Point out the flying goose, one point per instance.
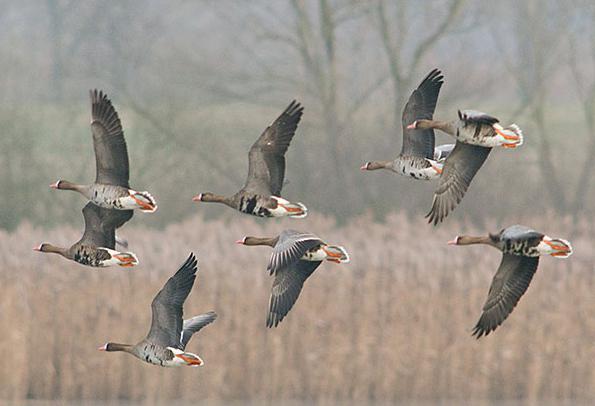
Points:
(295, 257)
(169, 334)
(110, 189)
(521, 248)
(418, 158)
(97, 246)
(260, 196)
(475, 128)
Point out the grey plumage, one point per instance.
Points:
(286, 289)
(459, 169)
(167, 306)
(193, 325)
(421, 105)
(291, 246)
(266, 166)
(508, 285)
(111, 154)
(290, 271)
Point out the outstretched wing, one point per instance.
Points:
(193, 325)
(111, 155)
(167, 324)
(96, 233)
(421, 105)
(266, 160)
(286, 289)
(509, 284)
(459, 169)
(290, 247)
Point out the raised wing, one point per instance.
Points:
(167, 324)
(111, 155)
(96, 233)
(421, 105)
(286, 289)
(459, 169)
(193, 325)
(509, 284)
(266, 160)
(290, 247)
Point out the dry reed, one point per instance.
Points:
(393, 324)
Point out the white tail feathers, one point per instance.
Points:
(337, 253)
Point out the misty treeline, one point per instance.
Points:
(195, 83)
(394, 324)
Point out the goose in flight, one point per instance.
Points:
(261, 194)
(296, 255)
(475, 128)
(521, 247)
(110, 189)
(97, 247)
(419, 158)
(165, 345)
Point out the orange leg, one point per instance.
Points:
(506, 136)
(143, 205)
(437, 169)
(291, 209)
(189, 360)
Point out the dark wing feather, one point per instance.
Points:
(96, 233)
(114, 219)
(167, 324)
(421, 105)
(459, 169)
(111, 155)
(266, 160)
(509, 284)
(193, 325)
(477, 117)
(290, 247)
(286, 289)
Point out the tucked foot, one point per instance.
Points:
(560, 248)
(335, 253)
(144, 201)
(126, 259)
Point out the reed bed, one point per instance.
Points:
(394, 324)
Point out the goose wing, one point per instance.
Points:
(290, 247)
(266, 159)
(287, 286)
(167, 306)
(509, 284)
(111, 155)
(459, 169)
(97, 234)
(193, 325)
(421, 105)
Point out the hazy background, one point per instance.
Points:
(195, 83)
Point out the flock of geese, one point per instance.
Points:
(296, 255)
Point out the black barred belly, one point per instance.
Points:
(254, 205)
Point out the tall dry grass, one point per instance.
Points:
(393, 324)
